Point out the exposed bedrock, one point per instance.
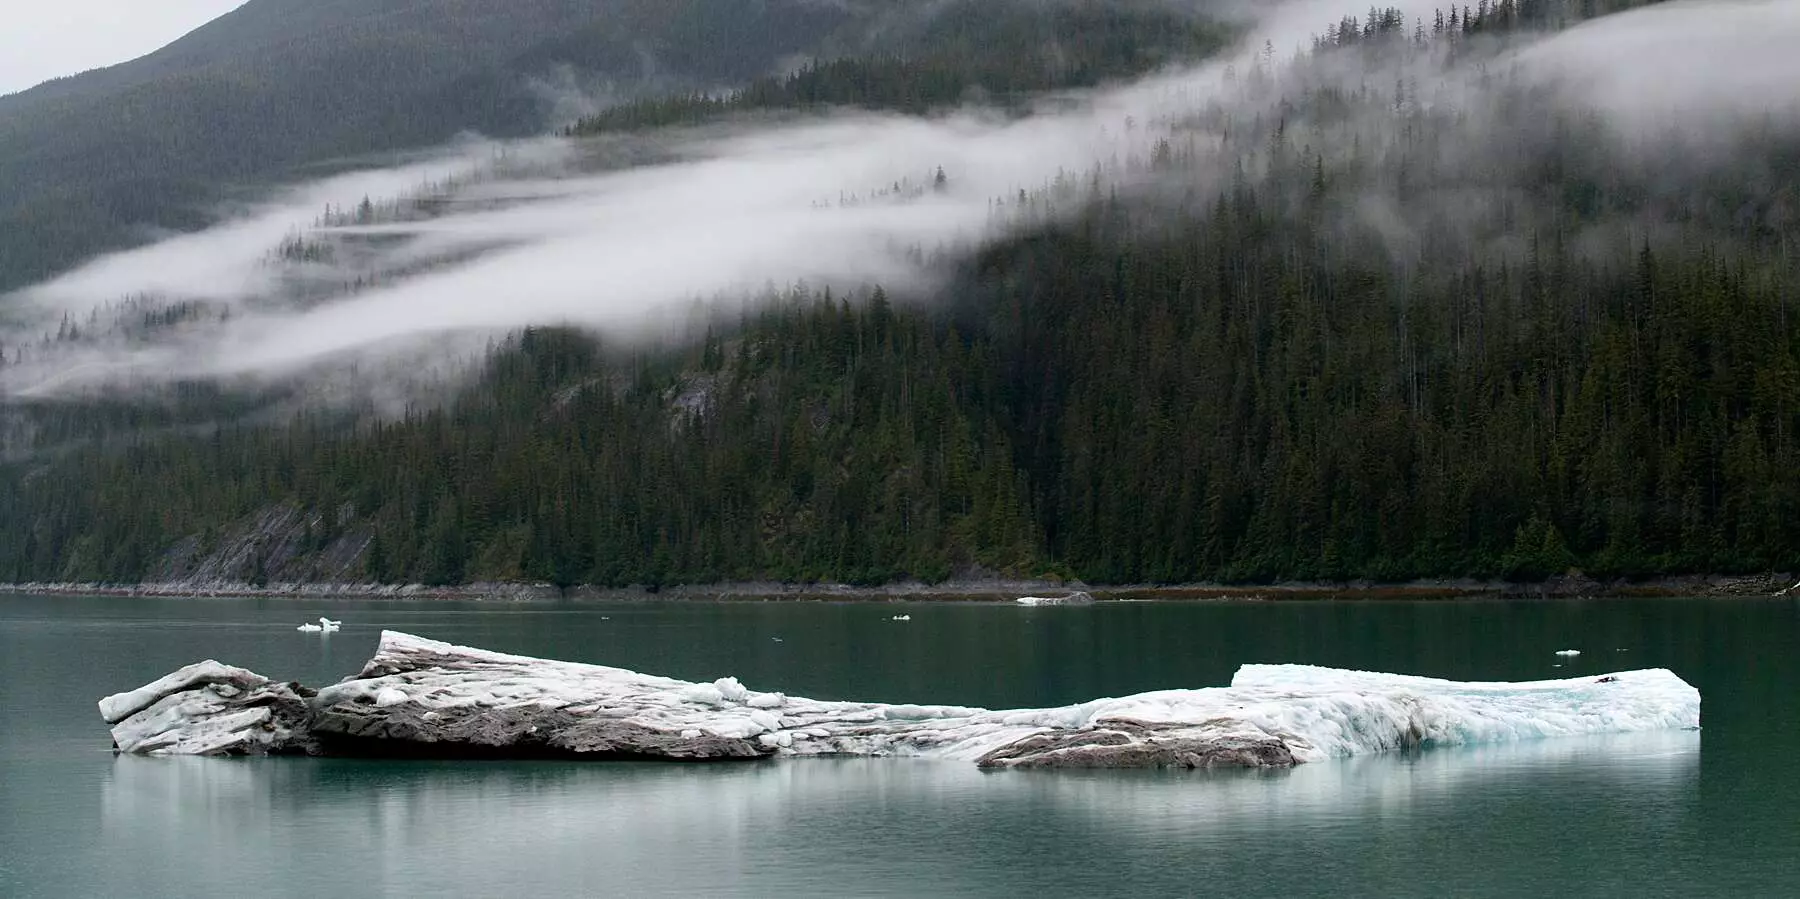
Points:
(419, 697)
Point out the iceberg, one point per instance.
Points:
(420, 697)
(210, 709)
(1077, 598)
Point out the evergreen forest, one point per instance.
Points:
(1326, 329)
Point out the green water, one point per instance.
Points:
(1682, 814)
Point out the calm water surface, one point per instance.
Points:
(1685, 814)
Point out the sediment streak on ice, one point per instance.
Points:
(425, 696)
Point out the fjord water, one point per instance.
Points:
(1708, 813)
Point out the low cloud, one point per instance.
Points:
(1689, 67)
(554, 233)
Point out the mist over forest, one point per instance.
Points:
(1143, 292)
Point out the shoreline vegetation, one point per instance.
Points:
(1571, 586)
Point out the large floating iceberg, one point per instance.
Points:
(422, 697)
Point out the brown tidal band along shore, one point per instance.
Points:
(1778, 585)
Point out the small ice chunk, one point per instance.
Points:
(389, 697)
(705, 694)
(731, 689)
(767, 701)
(1568, 653)
(1073, 599)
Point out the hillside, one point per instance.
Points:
(102, 159)
(1391, 324)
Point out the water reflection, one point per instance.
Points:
(890, 826)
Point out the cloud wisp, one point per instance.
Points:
(547, 240)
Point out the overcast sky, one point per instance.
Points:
(43, 40)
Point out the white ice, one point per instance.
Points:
(194, 711)
(1320, 713)
(1072, 599)
(1569, 653)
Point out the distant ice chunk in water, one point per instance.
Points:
(422, 697)
(1073, 599)
(1568, 653)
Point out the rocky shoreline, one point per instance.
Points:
(1572, 586)
(422, 698)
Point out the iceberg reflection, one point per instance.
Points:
(413, 828)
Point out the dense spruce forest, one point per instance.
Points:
(1326, 330)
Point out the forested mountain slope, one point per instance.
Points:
(96, 161)
(1393, 325)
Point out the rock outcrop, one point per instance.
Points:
(418, 697)
(1123, 743)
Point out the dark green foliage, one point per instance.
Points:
(1211, 406)
(997, 54)
(1242, 403)
(820, 442)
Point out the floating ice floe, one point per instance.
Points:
(422, 697)
(1073, 599)
(1568, 653)
(902, 618)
